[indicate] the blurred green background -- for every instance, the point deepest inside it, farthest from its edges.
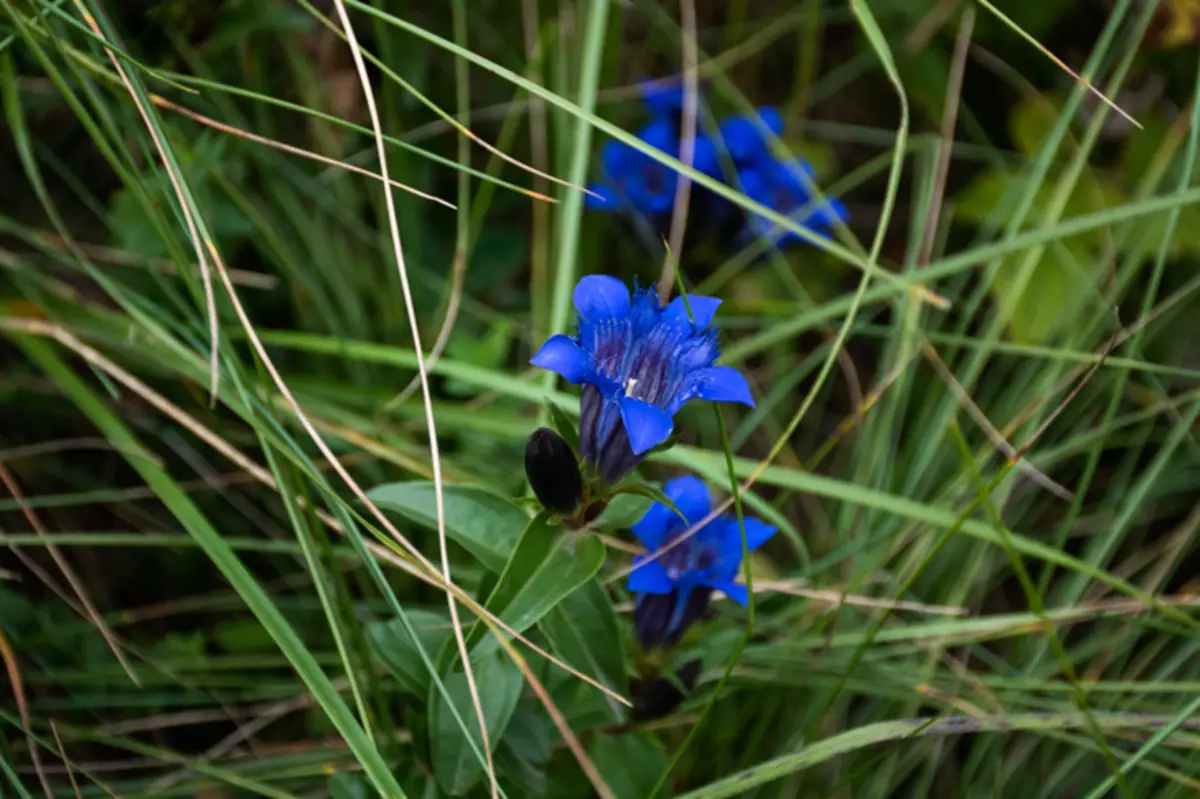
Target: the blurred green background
(979, 400)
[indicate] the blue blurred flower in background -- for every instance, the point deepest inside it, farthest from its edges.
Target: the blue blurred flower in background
(639, 363)
(673, 590)
(635, 182)
(663, 98)
(784, 187)
(748, 138)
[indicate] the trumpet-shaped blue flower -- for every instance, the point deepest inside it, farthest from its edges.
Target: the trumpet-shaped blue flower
(784, 186)
(672, 590)
(639, 363)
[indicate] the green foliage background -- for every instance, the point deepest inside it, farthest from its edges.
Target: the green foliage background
(977, 403)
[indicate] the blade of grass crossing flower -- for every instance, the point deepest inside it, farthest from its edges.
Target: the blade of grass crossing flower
(189, 516)
(570, 211)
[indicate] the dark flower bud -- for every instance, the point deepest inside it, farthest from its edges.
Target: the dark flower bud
(656, 697)
(553, 472)
(660, 620)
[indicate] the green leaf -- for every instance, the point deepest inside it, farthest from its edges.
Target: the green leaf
(565, 426)
(488, 349)
(485, 524)
(623, 511)
(631, 764)
(651, 492)
(1031, 121)
(1049, 299)
(547, 566)
(525, 749)
(398, 651)
(584, 632)
(243, 636)
(343, 785)
(499, 681)
(214, 544)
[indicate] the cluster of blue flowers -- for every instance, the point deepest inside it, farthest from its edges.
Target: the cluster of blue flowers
(739, 150)
(639, 362)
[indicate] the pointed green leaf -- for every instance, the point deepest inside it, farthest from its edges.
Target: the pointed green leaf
(499, 682)
(485, 524)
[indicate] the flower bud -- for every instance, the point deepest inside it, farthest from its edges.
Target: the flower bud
(553, 472)
(660, 620)
(656, 697)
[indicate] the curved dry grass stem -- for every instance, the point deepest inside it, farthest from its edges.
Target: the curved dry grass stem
(430, 423)
(687, 150)
(453, 303)
(69, 573)
(1059, 62)
(414, 566)
(273, 372)
(62, 751)
(994, 435)
(18, 688)
(214, 329)
(288, 148)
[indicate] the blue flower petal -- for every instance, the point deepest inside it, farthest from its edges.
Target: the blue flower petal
(735, 591)
(746, 137)
(602, 198)
(720, 384)
(757, 532)
(601, 297)
(705, 157)
(662, 97)
(647, 425)
(742, 139)
(796, 177)
(703, 309)
(660, 134)
(691, 496)
(649, 577)
(564, 357)
(771, 118)
(830, 213)
(615, 157)
(652, 528)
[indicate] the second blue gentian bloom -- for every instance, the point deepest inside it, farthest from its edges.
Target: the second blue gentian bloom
(639, 362)
(672, 587)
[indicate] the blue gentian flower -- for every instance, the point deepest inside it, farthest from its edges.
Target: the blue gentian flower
(673, 589)
(783, 186)
(662, 98)
(639, 363)
(633, 181)
(747, 138)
